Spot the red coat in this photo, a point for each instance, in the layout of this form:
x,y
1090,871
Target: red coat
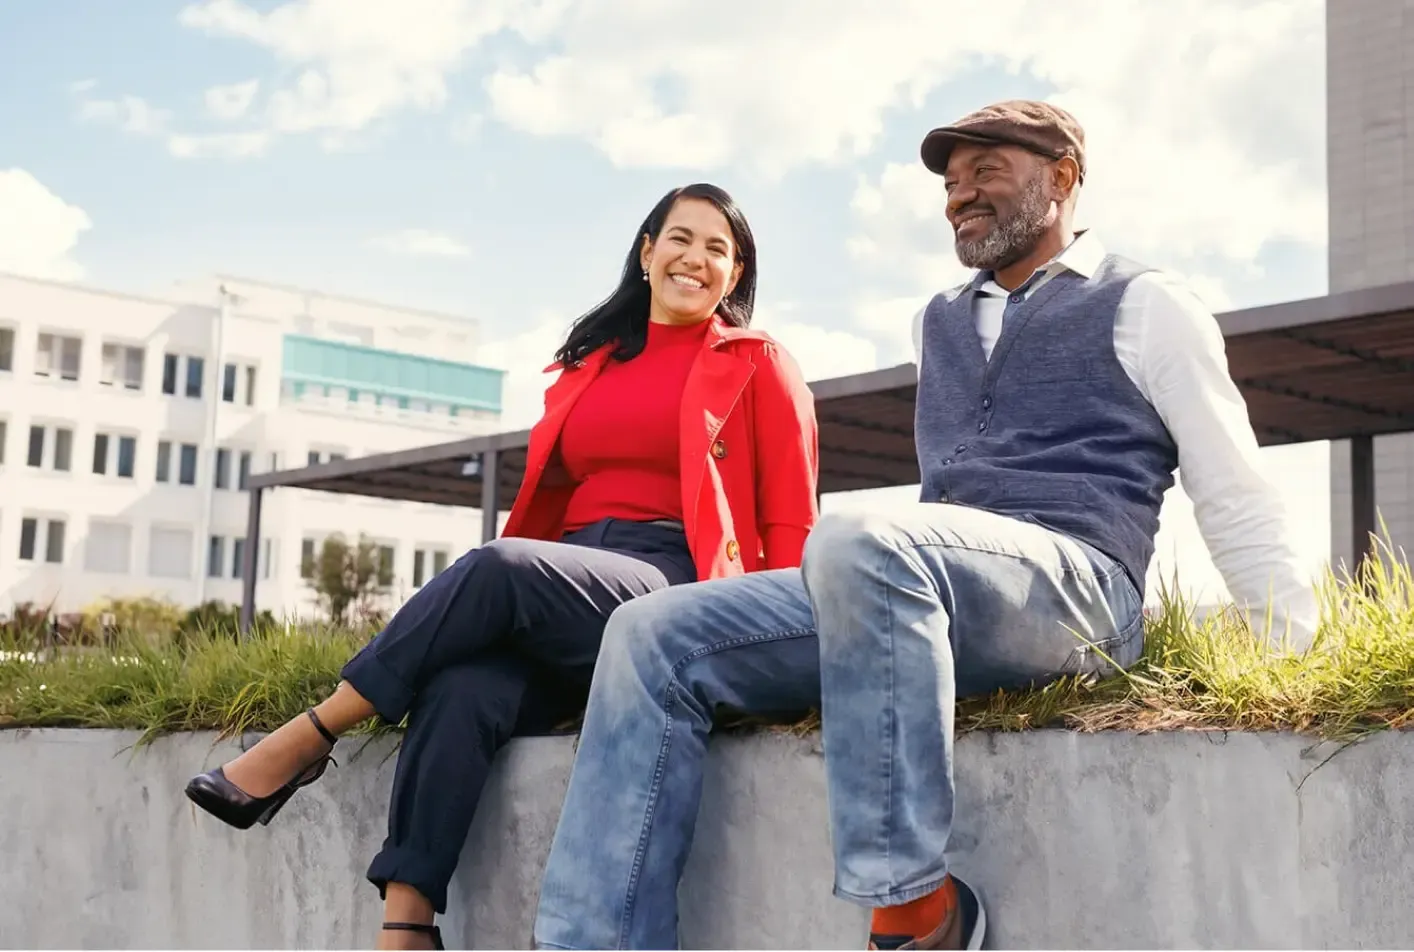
x,y
749,455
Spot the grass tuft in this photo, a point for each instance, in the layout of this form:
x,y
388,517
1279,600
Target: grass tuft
x,y
1196,674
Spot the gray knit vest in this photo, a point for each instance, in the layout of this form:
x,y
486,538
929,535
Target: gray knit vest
x,y
1051,429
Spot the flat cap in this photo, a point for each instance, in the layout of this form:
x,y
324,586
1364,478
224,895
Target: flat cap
x,y
1035,126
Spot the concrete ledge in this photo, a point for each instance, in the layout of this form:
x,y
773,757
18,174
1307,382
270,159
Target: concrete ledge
x,y
1091,841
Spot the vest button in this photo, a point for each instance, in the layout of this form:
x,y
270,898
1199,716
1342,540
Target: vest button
x,y
982,427
719,450
1016,299
942,497
961,448
948,461
986,403
732,550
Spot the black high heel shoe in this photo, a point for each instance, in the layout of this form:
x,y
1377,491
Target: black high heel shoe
x,y
433,931
229,803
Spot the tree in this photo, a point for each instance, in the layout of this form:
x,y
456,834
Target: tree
x,y
348,577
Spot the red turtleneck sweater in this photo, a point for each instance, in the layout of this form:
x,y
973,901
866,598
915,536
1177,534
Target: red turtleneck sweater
x,y
620,441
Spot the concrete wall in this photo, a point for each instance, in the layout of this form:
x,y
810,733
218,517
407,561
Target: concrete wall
x,y
1086,841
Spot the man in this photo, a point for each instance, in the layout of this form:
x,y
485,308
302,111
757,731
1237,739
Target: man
x,y
1058,390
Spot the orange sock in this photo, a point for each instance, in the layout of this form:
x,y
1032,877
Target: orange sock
x,y
918,917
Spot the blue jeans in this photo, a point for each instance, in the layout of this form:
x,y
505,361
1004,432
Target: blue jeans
x,y
891,618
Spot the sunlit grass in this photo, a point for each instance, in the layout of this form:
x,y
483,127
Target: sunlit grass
x,y
1209,674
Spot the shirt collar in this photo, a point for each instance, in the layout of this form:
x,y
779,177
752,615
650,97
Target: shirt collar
x,y
1083,256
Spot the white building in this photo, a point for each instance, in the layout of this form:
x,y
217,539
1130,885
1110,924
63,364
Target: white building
x,y
128,426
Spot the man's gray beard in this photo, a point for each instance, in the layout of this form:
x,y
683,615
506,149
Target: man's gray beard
x,y
1010,238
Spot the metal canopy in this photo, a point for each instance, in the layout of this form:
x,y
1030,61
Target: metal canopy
x,y
1326,368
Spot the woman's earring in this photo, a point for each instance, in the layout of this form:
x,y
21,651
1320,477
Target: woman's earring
x,y
645,275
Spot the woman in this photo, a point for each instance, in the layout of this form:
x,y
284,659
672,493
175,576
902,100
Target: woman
x,y
676,445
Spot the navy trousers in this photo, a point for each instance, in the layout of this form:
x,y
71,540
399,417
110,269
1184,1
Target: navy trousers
x,y
501,643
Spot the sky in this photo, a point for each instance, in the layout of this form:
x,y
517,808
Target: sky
x,y
493,158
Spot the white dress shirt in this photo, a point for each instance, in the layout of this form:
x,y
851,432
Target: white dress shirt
x,y
1172,348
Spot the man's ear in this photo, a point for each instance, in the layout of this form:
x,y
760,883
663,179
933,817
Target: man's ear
x,y
1065,178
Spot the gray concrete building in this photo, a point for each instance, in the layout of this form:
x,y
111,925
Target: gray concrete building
x,y
1370,176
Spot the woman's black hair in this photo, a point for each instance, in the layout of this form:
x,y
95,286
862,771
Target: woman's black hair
x,y
623,316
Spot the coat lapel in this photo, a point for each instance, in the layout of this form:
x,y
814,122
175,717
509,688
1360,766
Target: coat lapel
x,y
713,389
560,399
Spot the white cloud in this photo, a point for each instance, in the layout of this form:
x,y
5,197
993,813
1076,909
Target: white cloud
x,y
467,128
1181,173
38,229
524,356
130,113
226,145
822,353
233,101
889,320
419,242
355,61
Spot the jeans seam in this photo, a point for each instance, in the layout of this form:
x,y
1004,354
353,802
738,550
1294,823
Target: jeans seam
x,y
888,747
669,694
908,553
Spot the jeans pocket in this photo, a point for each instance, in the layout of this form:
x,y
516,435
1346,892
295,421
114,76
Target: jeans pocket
x,y
1106,656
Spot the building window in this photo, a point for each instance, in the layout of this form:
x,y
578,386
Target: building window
x,y
51,531
250,386
58,356
427,564
169,553
7,349
36,447
4,438
242,470
186,465
164,461
228,384
196,368
314,458
223,469
100,453
108,548
29,528
54,542
63,448
186,373
306,559
267,558
169,374
386,560
127,456
237,558
216,557
122,366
